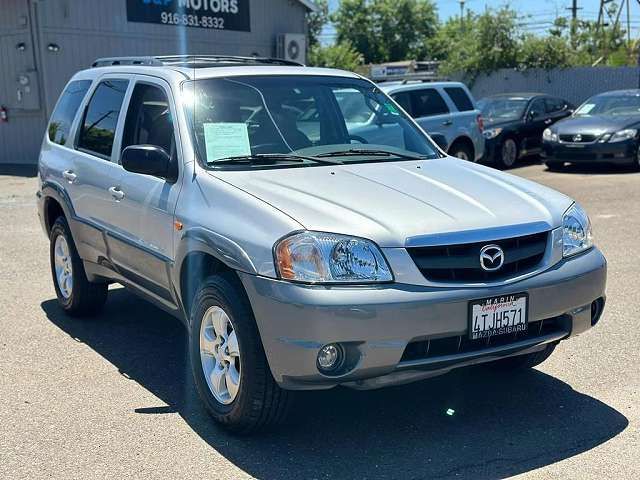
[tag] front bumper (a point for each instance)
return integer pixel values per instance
(618, 152)
(377, 323)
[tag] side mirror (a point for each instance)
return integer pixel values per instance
(440, 140)
(149, 160)
(532, 115)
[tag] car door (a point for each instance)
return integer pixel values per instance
(94, 173)
(141, 246)
(431, 112)
(536, 120)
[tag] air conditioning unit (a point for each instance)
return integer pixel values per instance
(292, 47)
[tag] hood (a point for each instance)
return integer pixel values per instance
(404, 203)
(502, 123)
(595, 125)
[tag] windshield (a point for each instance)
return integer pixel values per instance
(611, 105)
(236, 117)
(502, 109)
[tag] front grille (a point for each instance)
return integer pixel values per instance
(433, 348)
(461, 263)
(585, 138)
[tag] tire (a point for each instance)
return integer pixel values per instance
(555, 166)
(254, 401)
(462, 151)
(528, 360)
(636, 162)
(77, 296)
(507, 156)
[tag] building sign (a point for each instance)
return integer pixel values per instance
(216, 14)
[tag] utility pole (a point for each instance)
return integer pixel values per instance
(462, 14)
(574, 21)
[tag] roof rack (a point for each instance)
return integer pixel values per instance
(193, 61)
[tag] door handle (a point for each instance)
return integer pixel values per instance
(69, 176)
(446, 123)
(116, 193)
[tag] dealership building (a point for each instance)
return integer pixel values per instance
(44, 42)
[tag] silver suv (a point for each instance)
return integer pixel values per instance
(446, 111)
(301, 247)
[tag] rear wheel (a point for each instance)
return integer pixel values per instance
(508, 154)
(461, 151)
(229, 365)
(76, 294)
(528, 360)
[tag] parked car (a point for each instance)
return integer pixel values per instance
(298, 256)
(446, 111)
(605, 129)
(514, 123)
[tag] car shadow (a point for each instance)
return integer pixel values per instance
(474, 423)
(595, 169)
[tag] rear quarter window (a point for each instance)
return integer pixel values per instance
(66, 110)
(460, 98)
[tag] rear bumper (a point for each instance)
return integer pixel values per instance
(619, 152)
(377, 323)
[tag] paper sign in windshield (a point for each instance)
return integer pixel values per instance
(585, 109)
(225, 140)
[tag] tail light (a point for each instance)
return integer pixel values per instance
(480, 122)
(4, 116)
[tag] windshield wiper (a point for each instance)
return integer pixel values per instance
(363, 151)
(272, 158)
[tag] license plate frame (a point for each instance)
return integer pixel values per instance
(476, 333)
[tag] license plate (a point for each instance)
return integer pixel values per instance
(498, 315)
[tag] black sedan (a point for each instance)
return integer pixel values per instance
(603, 129)
(514, 124)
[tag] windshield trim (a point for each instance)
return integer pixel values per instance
(438, 153)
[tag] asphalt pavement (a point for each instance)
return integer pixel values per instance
(112, 397)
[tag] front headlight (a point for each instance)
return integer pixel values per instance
(577, 236)
(492, 133)
(623, 135)
(318, 257)
(549, 136)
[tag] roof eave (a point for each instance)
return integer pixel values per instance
(309, 4)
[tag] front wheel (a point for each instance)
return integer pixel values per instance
(508, 154)
(555, 166)
(229, 365)
(76, 294)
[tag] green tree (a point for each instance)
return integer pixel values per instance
(387, 30)
(544, 52)
(316, 21)
(340, 55)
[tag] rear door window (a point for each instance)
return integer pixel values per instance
(404, 100)
(427, 102)
(101, 118)
(66, 110)
(460, 98)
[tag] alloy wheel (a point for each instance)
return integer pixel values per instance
(63, 266)
(220, 355)
(509, 152)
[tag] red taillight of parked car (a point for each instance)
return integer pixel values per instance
(480, 121)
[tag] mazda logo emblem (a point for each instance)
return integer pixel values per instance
(491, 258)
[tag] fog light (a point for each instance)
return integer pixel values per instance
(330, 357)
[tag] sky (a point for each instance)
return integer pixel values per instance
(537, 14)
